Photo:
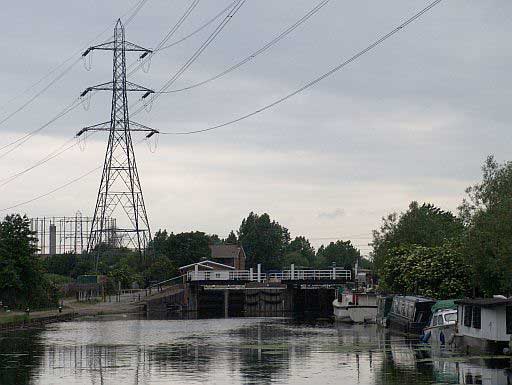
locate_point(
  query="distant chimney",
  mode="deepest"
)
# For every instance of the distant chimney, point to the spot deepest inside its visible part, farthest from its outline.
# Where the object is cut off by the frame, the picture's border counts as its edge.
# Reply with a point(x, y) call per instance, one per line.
point(53, 240)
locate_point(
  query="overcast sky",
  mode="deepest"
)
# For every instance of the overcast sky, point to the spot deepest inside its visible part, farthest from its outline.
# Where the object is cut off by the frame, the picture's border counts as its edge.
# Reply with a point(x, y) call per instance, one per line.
point(412, 120)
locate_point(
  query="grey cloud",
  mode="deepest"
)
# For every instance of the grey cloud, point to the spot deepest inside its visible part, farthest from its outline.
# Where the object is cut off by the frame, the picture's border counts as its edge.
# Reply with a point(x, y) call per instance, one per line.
point(332, 214)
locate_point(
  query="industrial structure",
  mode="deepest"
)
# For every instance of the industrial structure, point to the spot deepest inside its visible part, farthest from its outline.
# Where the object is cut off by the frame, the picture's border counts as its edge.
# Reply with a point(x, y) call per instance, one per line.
point(59, 235)
point(120, 188)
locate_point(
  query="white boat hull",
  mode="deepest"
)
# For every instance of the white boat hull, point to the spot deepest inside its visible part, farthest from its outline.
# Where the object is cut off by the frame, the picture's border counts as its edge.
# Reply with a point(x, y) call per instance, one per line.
point(441, 336)
point(340, 311)
point(362, 313)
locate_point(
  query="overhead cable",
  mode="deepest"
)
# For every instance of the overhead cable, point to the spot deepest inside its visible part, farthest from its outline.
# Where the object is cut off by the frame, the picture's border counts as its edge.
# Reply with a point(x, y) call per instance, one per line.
point(52, 191)
point(318, 79)
point(17, 143)
point(166, 38)
point(236, 7)
point(133, 11)
point(197, 30)
point(263, 49)
point(61, 187)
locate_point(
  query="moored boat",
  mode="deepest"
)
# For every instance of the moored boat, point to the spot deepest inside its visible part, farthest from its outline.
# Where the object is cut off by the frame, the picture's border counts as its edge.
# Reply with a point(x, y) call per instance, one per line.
point(410, 314)
point(355, 307)
point(441, 330)
point(384, 303)
point(341, 303)
point(484, 325)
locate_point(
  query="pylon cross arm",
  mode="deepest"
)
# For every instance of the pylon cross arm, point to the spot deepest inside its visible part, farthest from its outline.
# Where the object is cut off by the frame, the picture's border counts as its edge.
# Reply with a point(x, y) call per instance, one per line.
point(109, 86)
point(106, 126)
point(110, 46)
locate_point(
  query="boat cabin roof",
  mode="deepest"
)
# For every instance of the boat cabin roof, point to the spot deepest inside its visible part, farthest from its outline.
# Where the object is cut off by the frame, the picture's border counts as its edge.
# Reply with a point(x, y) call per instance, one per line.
point(412, 298)
point(485, 302)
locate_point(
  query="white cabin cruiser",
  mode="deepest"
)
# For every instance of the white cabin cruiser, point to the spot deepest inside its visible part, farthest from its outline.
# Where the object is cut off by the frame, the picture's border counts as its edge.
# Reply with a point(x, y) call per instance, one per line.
point(441, 330)
point(355, 307)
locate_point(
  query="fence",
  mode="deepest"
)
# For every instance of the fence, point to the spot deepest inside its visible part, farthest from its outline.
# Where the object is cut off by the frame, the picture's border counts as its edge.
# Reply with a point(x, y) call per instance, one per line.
point(286, 275)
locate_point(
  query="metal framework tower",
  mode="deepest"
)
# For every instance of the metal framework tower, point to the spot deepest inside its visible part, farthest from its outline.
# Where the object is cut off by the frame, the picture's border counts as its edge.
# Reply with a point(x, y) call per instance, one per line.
point(120, 184)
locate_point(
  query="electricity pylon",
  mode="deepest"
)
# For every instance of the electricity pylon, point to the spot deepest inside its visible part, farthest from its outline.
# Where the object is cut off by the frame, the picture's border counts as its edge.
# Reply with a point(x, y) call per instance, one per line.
point(120, 184)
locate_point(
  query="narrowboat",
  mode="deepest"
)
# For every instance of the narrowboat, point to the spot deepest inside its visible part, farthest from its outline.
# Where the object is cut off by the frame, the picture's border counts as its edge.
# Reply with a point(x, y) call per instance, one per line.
point(484, 325)
point(410, 314)
point(441, 330)
point(384, 303)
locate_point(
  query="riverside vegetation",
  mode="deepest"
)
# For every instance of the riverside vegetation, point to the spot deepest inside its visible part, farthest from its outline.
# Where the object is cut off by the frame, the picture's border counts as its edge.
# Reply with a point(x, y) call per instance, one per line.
point(424, 250)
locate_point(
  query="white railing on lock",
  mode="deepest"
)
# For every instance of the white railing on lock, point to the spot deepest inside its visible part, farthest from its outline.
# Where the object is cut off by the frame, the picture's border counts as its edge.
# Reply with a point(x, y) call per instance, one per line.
point(224, 275)
point(313, 275)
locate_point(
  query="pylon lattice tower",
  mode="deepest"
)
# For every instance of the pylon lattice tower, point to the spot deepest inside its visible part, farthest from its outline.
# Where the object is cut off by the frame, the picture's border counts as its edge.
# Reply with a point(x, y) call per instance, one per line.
point(120, 184)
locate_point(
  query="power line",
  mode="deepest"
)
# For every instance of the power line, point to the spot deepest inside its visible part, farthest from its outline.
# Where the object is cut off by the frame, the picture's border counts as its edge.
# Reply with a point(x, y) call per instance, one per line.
point(133, 11)
point(52, 191)
point(198, 29)
point(55, 153)
point(35, 96)
point(199, 51)
point(169, 34)
point(263, 49)
point(61, 187)
point(318, 79)
point(19, 142)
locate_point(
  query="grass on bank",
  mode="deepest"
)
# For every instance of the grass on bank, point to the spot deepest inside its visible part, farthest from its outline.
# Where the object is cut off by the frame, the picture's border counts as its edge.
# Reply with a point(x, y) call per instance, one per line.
point(13, 318)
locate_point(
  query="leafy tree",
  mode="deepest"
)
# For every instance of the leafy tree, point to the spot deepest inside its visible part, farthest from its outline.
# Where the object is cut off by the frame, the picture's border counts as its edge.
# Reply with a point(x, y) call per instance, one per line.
point(61, 264)
point(299, 252)
point(231, 239)
point(343, 253)
point(437, 272)
point(160, 269)
point(265, 241)
point(124, 275)
point(22, 280)
point(425, 225)
point(183, 248)
point(487, 214)
point(214, 239)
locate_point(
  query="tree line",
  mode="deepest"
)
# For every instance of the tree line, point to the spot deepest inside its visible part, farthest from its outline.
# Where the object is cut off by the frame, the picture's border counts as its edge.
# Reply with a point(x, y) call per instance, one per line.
point(29, 280)
point(426, 250)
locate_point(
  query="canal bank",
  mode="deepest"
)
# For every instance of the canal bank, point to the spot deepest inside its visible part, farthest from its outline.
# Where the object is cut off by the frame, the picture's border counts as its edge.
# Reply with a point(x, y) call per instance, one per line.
point(125, 304)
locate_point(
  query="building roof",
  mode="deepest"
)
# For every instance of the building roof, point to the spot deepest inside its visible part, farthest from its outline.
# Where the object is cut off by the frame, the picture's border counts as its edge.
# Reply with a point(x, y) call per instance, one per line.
point(485, 302)
point(225, 251)
point(206, 263)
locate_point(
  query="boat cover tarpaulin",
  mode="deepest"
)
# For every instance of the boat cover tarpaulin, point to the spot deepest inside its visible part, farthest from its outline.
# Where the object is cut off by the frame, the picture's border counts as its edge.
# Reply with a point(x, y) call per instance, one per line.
point(444, 304)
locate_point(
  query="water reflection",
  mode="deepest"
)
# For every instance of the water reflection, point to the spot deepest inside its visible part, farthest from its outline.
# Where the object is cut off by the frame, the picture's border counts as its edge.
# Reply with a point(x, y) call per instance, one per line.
point(21, 357)
point(232, 351)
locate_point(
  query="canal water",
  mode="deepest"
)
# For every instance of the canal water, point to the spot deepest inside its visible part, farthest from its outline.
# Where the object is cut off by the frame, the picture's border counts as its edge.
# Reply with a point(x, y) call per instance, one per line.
point(232, 351)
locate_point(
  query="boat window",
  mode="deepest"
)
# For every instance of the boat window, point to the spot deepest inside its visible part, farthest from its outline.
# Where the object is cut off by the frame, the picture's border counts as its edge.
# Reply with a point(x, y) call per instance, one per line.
point(468, 311)
point(440, 321)
point(450, 317)
point(477, 317)
point(434, 322)
point(509, 319)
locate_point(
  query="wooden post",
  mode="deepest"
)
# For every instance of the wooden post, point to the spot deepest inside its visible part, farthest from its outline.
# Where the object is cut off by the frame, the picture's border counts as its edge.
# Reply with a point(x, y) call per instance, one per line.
point(292, 271)
point(226, 303)
point(259, 272)
point(251, 272)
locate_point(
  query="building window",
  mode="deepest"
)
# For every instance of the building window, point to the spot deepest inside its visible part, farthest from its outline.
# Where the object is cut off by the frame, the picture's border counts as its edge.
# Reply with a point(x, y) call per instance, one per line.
point(468, 310)
point(477, 317)
point(509, 319)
